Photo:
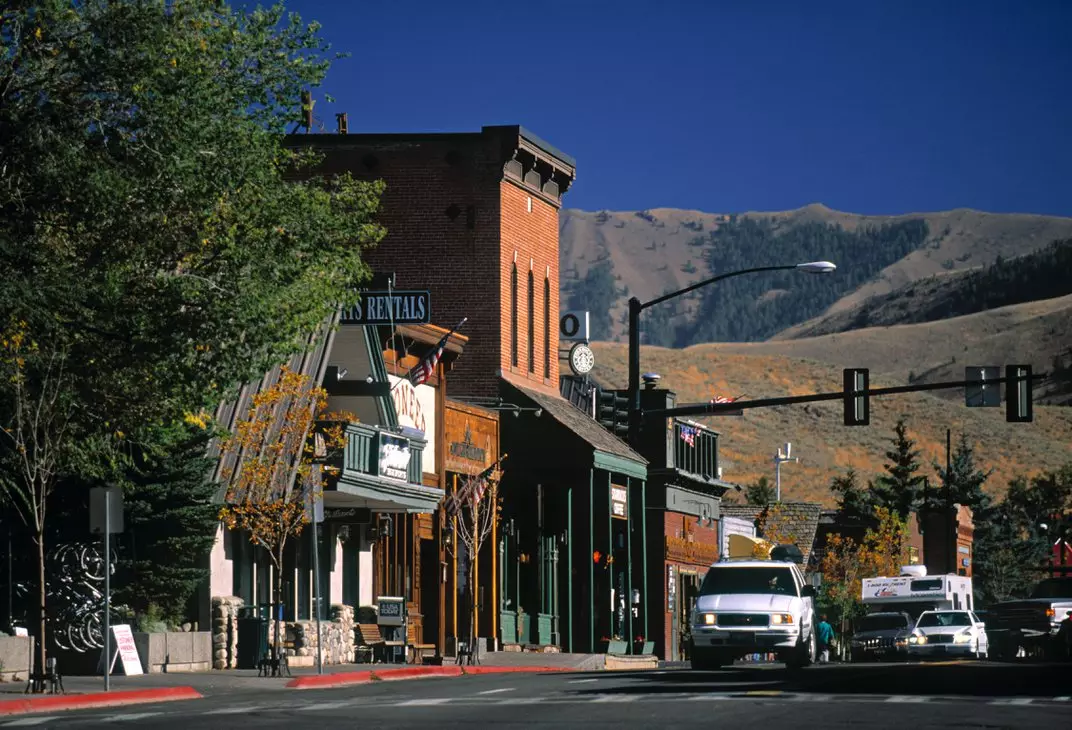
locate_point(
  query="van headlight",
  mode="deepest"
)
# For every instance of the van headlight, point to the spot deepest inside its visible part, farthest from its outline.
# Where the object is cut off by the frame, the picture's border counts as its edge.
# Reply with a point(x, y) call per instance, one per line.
point(779, 619)
point(706, 619)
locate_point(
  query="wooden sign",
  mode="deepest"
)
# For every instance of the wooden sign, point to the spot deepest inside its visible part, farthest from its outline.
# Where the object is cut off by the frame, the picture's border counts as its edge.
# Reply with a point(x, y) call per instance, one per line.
point(685, 551)
point(472, 440)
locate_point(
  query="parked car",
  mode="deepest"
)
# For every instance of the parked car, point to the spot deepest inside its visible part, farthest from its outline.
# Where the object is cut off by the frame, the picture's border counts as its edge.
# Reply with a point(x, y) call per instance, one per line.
point(882, 635)
point(753, 606)
point(948, 633)
point(1031, 627)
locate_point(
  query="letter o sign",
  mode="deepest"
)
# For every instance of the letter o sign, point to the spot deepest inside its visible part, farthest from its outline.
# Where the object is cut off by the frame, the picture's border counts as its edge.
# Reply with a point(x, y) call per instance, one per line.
point(570, 325)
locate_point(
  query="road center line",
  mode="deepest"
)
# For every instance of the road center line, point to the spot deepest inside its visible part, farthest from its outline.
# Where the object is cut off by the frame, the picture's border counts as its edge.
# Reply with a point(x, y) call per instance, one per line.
point(497, 691)
point(323, 706)
point(581, 681)
point(232, 710)
point(426, 702)
point(30, 721)
point(905, 698)
point(131, 716)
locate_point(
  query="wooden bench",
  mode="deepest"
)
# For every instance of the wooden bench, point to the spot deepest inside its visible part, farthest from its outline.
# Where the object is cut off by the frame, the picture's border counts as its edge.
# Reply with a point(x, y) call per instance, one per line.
point(420, 650)
point(369, 640)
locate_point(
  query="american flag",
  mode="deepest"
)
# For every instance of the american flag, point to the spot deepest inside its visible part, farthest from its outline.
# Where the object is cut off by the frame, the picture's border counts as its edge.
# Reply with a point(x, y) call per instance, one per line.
point(723, 399)
point(688, 435)
point(423, 370)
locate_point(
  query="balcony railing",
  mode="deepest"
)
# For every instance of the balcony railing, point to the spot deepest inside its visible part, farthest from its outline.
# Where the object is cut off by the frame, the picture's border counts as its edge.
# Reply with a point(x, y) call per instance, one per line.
point(694, 449)
point(374, 451)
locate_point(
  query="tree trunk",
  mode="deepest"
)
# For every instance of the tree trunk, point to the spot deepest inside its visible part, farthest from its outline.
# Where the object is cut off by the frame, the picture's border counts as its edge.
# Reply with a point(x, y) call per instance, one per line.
point(42, 636)
point(277, 606)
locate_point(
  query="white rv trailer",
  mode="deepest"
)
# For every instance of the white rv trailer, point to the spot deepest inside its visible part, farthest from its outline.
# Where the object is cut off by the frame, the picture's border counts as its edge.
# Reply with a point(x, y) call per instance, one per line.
point(914, 592)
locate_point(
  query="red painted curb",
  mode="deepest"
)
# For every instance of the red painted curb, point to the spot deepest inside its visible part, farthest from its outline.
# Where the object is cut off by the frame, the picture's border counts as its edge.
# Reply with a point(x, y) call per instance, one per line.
point(511, 670)
point(417, 672)
point(318, 681)
point(52, 703)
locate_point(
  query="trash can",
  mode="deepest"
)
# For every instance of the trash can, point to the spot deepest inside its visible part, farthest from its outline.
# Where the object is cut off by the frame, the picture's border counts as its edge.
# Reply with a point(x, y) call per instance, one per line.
point(252, 636)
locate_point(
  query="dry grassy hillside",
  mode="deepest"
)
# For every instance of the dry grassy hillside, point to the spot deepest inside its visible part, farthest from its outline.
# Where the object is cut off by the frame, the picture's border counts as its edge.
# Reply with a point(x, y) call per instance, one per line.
point(651, 252)
point(827, 447)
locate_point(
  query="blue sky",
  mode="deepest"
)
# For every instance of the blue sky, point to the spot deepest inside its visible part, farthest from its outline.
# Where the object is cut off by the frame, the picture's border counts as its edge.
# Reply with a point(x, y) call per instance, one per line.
point(867, 106)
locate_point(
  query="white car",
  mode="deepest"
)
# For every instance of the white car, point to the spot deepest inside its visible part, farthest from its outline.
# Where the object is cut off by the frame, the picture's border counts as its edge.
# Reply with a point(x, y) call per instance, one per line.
point(948, 633)
point(753, 606)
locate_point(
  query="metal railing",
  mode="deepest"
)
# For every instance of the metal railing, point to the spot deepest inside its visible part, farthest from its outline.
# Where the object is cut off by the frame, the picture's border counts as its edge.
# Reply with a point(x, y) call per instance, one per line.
point(694, 449)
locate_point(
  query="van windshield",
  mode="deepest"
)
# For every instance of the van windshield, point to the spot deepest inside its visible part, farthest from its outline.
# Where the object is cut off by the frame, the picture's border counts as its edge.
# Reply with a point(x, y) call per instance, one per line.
point(722, 581)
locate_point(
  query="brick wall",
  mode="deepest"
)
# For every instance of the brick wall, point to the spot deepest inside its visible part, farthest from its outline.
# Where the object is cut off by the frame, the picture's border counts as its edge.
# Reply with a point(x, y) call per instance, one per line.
point(679, 525)
point(453, 227)
point(529, 241)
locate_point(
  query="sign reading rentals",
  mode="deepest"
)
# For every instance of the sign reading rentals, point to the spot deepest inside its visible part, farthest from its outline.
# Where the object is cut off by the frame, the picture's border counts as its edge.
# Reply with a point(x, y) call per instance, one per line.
point(394, 307)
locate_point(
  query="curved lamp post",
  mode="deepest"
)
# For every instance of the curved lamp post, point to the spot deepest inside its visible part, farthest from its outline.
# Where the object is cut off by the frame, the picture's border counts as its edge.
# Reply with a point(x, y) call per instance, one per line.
point(636, 307)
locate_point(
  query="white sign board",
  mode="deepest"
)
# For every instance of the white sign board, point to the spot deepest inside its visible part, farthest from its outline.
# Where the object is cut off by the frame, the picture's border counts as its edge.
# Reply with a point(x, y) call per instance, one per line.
point(415, 407)
point(876, 589)
point(573, 326)
point(394, 458)
point(124, 649)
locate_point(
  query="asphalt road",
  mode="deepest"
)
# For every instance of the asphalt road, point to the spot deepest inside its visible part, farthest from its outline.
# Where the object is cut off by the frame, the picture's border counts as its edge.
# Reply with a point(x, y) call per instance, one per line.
point(872, 696)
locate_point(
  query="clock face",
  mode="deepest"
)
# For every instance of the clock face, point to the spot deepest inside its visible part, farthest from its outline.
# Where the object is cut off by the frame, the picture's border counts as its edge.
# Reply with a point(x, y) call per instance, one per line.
point(581, 358)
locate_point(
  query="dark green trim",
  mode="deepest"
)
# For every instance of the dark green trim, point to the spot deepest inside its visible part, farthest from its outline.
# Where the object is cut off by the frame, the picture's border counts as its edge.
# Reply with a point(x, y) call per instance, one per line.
point(618, 465)
point(629, 570)
point(408, 497)
point(569, 562)
point(612, 583)
point(644, 549)
point(385, 405)
point(591, 563)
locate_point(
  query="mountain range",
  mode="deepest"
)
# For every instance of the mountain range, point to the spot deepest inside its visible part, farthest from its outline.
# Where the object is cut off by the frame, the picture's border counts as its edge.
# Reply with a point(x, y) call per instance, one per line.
point(916, 298)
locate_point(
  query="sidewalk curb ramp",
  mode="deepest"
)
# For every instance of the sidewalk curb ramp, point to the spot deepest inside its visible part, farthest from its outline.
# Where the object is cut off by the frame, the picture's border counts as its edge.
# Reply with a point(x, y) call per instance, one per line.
point(347, 679)
point(53, 703)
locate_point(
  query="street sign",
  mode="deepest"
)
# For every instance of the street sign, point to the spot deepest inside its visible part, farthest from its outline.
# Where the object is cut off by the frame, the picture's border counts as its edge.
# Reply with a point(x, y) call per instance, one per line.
point(389, 307)
point(96, 510)
point(1018, 394)
point(983, 396)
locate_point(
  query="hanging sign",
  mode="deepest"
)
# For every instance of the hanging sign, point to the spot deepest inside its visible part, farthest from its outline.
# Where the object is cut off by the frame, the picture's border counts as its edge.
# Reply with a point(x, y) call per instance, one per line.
point(619, 502)
point(389, 307)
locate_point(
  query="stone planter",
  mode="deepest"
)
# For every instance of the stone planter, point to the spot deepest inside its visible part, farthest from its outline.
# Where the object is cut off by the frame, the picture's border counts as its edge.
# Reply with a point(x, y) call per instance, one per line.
point(174, 651)
point(16, 658)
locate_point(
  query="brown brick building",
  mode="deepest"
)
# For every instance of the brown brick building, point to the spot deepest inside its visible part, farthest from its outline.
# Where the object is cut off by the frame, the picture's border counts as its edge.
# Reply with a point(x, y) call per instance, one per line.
point(473, 218)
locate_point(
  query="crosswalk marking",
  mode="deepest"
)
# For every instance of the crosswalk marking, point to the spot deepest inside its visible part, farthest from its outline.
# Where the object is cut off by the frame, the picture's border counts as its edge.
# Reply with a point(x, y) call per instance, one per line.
point(30, 721)
point(231, 710)
point(581, 681)
point(132, 716)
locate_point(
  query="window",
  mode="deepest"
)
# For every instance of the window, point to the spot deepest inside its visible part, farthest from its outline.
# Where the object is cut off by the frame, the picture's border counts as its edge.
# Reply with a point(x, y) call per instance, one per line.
point(513, 316)
point(760, 581)
point(532, 327)
point(546, 327)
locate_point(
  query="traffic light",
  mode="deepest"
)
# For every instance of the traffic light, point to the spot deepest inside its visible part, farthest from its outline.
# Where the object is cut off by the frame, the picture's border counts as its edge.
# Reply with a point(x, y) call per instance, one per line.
point(1018, 395)
point(613, 412)
point(857, 397)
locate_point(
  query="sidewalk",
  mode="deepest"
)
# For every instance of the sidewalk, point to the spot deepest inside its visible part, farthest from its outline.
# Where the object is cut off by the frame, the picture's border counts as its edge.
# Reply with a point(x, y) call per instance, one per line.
point(236, 681)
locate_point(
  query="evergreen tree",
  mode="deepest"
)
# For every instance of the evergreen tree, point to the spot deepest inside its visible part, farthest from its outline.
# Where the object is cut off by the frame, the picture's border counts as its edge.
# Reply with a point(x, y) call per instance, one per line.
point(597, 292)
point(965, 481)
point(760, 492)
point(855, 502)
point(900, 488)
point(170, 525)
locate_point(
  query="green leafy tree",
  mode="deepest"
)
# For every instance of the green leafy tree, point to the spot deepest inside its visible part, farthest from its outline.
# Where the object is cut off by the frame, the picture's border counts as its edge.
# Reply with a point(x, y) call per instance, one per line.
point(156, 231)
point(900, 488)
point(760, 492)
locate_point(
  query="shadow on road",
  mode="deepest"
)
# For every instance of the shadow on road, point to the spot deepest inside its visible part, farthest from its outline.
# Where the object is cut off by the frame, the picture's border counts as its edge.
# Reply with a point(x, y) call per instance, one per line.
point(979, 679)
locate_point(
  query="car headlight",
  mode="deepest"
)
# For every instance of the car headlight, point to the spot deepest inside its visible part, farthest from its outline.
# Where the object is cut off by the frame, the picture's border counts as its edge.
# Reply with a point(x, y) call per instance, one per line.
point(781, 618)
point(962, 638)
point(917, 639)
point(707, 619)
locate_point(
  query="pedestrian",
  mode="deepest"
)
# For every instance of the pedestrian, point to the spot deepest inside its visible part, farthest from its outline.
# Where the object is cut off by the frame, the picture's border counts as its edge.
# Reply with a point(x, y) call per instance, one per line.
point(826, 637)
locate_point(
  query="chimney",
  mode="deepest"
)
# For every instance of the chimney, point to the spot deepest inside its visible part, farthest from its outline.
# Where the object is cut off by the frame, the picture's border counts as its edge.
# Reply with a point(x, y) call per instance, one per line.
point(650, 380)
point(344, 125)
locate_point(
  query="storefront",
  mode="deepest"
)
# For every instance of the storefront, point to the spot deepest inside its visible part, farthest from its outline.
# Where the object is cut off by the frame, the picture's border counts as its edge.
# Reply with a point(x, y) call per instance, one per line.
point(573, 530)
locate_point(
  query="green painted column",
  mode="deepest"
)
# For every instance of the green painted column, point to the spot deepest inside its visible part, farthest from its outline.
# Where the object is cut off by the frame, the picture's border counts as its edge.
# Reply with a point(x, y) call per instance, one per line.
point(612, 583)
point(591, 563)
point(644, 549)
point(629, 554)
point(569, 564)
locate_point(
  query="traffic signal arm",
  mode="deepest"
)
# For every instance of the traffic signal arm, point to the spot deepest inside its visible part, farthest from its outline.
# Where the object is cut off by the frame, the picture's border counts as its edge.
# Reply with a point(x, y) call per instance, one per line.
point(701, 409)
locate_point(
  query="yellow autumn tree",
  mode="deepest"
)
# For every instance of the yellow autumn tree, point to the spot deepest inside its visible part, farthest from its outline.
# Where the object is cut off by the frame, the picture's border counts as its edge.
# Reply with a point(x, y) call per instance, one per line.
point(273, 475)
point(883, 550)
point(777, 526)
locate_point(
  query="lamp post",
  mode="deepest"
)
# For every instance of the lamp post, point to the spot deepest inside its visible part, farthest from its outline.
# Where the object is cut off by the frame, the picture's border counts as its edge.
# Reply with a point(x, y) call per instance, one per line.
point(636, 307)
point(779, 459)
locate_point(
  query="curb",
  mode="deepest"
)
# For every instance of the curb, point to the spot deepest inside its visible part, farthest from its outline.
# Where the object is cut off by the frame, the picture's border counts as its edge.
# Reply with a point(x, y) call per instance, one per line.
point(347, 679)
point(97, 699)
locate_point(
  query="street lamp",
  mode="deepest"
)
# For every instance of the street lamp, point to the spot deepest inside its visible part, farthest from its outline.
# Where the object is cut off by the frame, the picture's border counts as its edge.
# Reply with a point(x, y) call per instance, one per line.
point(636, 307)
